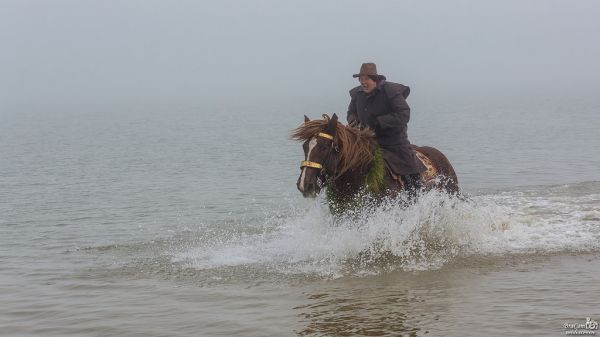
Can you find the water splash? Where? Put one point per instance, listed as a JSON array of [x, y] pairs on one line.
[[421, 236]]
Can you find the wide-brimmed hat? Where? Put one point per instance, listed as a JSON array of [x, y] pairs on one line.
[[369, 69]]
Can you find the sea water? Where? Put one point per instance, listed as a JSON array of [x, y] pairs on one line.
[[121, 221]]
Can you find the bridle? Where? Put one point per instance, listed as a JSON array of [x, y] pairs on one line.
[[307, 163]]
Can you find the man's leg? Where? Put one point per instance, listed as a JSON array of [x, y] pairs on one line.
[[413, 184]]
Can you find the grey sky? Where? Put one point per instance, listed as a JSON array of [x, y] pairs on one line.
[[200, 51]]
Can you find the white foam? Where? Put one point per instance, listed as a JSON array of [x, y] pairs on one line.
[[425, 235]]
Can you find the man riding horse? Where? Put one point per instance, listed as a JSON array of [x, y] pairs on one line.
[[351, 160], [381, 106]]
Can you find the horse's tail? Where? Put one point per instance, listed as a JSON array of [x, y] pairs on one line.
[[442, 166]]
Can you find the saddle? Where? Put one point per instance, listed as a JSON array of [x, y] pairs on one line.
[[426, 176]]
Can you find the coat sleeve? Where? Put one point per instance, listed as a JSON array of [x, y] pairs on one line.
[[400, 111], [351, 115]]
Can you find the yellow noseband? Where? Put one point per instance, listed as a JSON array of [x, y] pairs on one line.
[[306, 163]]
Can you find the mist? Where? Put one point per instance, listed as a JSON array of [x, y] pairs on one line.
[[260, 53]]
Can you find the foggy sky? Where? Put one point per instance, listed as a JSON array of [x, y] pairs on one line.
[[262, 51]]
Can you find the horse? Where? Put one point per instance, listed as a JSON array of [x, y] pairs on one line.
[[348, 161]]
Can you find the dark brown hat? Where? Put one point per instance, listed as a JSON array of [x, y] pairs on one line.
[[369, 69]]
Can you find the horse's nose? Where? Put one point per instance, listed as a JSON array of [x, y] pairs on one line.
[[309, 191], [299, 186]]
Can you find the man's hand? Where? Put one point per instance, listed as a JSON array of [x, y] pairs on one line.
[[355, 124]]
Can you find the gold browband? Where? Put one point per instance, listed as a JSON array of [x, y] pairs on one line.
[[325, 135], [306, 163]]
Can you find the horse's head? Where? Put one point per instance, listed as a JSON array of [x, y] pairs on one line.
[[320, 153]]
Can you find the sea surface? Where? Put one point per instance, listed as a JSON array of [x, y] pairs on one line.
[[158, 221]]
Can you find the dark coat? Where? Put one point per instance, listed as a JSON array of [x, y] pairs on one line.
[[386, 112]]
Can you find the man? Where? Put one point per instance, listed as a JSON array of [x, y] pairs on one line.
[[382, 106]]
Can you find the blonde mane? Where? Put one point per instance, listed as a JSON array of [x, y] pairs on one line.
[[355, 146]]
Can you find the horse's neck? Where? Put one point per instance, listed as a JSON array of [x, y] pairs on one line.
[[352, 180]]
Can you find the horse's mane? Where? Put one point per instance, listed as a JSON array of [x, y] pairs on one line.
[[355, 146]]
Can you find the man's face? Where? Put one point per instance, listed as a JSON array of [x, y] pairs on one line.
[[367, 83]]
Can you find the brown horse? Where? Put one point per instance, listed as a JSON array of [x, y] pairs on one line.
[[347, 161]]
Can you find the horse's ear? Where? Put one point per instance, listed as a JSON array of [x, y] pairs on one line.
[[306, 119], [332, 125], [334, 121], [334, 117]]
